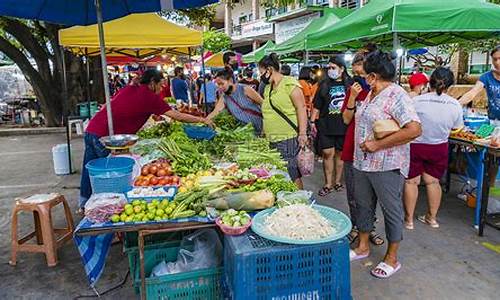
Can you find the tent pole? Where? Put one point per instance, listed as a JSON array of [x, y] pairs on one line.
[[190, 83], [395, 46], [66, 109], [104, 66], [204, 78], [307, 57], [88, 80]]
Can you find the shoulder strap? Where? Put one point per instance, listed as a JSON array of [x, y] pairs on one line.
[[280, 113]]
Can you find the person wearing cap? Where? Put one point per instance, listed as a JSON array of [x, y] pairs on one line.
[[418, 82]]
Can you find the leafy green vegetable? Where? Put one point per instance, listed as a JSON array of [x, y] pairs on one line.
[[217, 145], [184, 155], [226, 122], [254, 153], [275, 184], [156, 131]]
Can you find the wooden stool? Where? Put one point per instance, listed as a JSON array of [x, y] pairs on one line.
[[47, 241]]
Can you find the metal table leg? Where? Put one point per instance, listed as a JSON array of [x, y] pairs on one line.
[[485, 192], [141, 264]]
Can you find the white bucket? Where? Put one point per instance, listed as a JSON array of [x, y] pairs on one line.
[[60, 158]]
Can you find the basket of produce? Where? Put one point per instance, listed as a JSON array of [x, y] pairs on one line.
[[301, 224], [233, 222], [199, 132], [119, 140], [111, 174]]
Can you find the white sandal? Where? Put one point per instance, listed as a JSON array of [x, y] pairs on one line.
[[384, 271], [433, 223]]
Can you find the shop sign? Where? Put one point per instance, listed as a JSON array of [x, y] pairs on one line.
[[289, 28], [256, 28]]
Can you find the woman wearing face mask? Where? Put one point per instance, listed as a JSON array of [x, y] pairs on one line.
[[284, 113], [131, 109], [328, 122], [381, 165], [241, 100]]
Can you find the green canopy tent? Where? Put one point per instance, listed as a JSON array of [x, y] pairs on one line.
[[258, 53], [411, 24], [299, 41]]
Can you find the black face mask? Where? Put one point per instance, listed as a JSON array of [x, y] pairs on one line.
[[265, 79], [235, 66], [229, 90]]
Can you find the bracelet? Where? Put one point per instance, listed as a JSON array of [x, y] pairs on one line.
[[351, 108]]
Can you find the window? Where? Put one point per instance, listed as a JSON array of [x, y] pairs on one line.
[[349, 3], [243, 19]]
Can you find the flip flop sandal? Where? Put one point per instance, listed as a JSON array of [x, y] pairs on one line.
[[338, 187], [384, 271], [353, 256], [376, 239], [353, 236], [432, 224], [409, 225], [325, 191]]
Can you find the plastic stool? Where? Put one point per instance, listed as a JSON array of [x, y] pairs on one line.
[[46, 234], [78, 127]]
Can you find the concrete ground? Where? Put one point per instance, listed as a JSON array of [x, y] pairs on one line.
[[448, 263]]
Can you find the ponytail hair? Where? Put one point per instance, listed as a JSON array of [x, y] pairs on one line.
[[269, 61], [441, 79], [380, 63], [227, 73]]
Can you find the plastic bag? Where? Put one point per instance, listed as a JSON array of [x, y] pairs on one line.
[[206, 253], [100, 207], [306, 161], [248, 201], [289, 198]]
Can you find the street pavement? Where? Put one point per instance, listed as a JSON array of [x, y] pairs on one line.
[[447, 263]]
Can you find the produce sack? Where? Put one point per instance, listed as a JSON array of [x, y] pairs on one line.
[[291, 198], [199, 250], [248, 201], [306, 161], [100, 207], [383, 128]]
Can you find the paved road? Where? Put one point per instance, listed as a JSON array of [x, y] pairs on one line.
[[449, 263]]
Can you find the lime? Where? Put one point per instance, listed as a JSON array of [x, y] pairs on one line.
[[129, 211], [151, 215], [136, 202], [128, 206], [164, 204], [168, 210], [137, 209], [115, 218], [129, 219], [151, 206], [160, 212], [157, 218], [146, 219], [155, 202], [137, 218], [123, 217]]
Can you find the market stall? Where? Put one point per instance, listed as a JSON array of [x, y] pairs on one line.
[[192, 177], [258, 54]]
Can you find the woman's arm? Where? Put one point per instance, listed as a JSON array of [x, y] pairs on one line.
[[187, 118], [408, 133], [350, 109], [253, 95], [219, 106], [300, 109], [470, 95]]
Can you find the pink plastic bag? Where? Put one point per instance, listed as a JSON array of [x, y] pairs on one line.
[[306, 161]]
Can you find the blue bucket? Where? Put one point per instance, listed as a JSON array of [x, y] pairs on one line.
[[111, 174]]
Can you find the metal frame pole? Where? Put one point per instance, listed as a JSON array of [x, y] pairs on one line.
[[66, 109], [87, 62], [104, 66], [190, 81]]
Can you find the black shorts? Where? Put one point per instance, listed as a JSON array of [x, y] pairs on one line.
[[330, 141]]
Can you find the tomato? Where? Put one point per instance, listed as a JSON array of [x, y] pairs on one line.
[[145, 170], [145, 182], [168, 180], [154, 181], [153, 169], [163, 182], [149, 177], [161, 173], [138, 182], [175, 180], [169, 170], [164, 165]]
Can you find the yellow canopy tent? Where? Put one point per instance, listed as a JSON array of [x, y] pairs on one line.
[[215, 60], [137, 35]]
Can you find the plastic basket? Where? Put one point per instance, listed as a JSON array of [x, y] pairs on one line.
[[232, 230], [339, 221], [199, 132], [195, 285], [257, 268], [111, 174]]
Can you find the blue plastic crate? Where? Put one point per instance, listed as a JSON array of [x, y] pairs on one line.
[[256, 268]]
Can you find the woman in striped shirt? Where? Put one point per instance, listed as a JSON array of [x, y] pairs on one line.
[[241, 101]]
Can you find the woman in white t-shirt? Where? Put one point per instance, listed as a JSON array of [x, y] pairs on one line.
[[439, 114]]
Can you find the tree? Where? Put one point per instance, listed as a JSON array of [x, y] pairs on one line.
[[25, 42], [216, 41]]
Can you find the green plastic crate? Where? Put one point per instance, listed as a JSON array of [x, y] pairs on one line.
[[195, 285]]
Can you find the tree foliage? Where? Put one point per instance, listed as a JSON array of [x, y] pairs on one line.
[[216, 41]]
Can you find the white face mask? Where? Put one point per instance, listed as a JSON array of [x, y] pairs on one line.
[[333, 74]]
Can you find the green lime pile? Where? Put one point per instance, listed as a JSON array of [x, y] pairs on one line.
[[235, 218], [142, 211]]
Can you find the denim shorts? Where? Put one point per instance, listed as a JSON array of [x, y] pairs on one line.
[[289, 149]]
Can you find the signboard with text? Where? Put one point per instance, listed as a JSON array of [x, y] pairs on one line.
[[257, 28], [289, 28]]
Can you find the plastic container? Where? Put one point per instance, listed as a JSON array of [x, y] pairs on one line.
[[475, 122], [83, 109], [232, 230], [111, 174], [199, 284], [60, 159], [199, 132], [256, 268]]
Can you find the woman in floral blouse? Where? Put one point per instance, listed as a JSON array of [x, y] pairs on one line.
[[381, 165]]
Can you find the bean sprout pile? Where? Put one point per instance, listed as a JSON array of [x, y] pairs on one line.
[[298, 222]]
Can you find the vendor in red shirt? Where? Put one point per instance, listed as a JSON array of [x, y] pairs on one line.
[[354, 95], [131, 109]]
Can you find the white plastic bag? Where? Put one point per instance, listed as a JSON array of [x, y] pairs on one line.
[[100, 207], [306, 161], [206, 253]]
